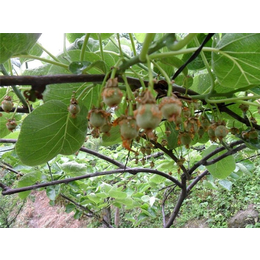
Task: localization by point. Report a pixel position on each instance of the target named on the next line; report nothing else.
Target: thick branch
(179, 202)
(8, 191)
(39, 83)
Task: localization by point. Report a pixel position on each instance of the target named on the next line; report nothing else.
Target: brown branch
(8, 191)
(222, 156)
(196, 180)
(239, 118)
(179, 202)
(86, 209)
(219, 149)
(103, 157)
(39, 83)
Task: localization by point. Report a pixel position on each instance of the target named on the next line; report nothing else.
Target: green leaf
(77, 67)
(237, 64)
(71, 37)
(210, 185)
(103, 35)
(157, 179)
(74, 168)
(222, 168)
(94, 198)
(53, 191)
(226, 184)
(117, 194)
(172, 138)
(113, 138)
(12, 44)
(50, 130)
(69, 208)
(28, 180)
(140, 37)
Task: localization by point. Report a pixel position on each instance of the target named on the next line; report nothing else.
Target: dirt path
(37, 213)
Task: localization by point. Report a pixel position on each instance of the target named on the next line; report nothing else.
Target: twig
(86, 209)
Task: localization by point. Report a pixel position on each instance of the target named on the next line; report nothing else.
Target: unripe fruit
(128, 128)
(171, 108)
(148, 116)
(97, 117)
(221, 131)
(185, 139)
(7, 104)
(111, 94)
(11, 124)
(73, 108)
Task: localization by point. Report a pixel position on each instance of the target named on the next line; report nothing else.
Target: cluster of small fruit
(7, 106)
(144, 113)
(147, 114)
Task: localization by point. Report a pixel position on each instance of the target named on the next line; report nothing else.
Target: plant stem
(148, 39)
(182, 43)
(100, 46)
(44, 60)
(51, 55)
(183, 51)
(119, 45)
(204, 59)
(83, 49)
(169, 91)
(133, 43)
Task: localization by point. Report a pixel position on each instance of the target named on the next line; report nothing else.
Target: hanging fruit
(185, 139)
(171, 108)
(192, 125)
(128, 128)
(73, 108)
(7, 104)
(221, 131)
(97, 117)
(148, 115)
(111, 94)
(11, 124)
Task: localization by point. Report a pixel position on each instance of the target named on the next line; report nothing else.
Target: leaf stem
(169, 91)
(182, 43)
(50, 54)
(100, 46)
(133, 43)
(119, 45)
(43, 59)
(204, 59)
(83, 49)
(148, 39)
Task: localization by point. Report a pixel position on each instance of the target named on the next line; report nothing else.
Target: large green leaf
(237, 64)
(16, 43)
(222, 168)
(50, 130)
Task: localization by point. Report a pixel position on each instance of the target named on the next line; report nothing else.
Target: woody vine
(177, 94)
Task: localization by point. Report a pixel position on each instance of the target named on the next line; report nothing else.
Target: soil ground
(38, 213)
